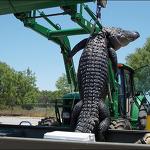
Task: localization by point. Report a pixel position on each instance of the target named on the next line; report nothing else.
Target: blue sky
(21, 47)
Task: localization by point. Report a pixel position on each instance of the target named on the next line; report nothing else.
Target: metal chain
(98, 11)
(98, 16)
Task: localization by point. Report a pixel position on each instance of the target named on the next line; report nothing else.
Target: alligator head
(118, 37)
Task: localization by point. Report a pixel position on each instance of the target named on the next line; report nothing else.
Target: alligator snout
(132, 35)
(126, 37)
(119, 38)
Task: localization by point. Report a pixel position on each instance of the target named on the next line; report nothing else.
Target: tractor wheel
(142, 116)
(48, 121)
(120, 124)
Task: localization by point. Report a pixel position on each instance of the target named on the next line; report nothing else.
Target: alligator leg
(75, 113)
(81, 45)
(113, 57)
(104, 116)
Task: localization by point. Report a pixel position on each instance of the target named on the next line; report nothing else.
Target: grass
(35, 112)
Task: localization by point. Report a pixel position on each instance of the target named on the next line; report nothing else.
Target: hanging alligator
(91, 115)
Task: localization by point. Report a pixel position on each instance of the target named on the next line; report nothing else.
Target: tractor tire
(120, 124)
(48, 121)
(143, 111)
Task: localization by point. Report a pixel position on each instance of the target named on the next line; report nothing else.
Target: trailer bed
(21, 137)
(39, 144)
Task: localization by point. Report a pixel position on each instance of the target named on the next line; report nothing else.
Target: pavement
(17, 120)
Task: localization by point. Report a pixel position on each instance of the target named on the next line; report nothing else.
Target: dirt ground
(18, 120)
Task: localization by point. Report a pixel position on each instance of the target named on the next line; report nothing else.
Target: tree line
(19, 88)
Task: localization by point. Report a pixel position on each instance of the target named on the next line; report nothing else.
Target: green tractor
(132, 105)
(128, 108)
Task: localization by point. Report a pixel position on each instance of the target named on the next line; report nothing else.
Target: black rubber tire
(120, 124)
(48, 121)
(143, 110)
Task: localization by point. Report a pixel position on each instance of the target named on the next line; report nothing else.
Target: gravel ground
(17, 120)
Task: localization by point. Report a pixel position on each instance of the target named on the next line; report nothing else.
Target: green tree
(16, 87)
(49, 96)
(7, 88)
(62, 85)
(140, 61)
(45, 96)
(27, 91)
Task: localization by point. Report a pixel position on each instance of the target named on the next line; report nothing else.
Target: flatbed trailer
(21, 137)
(43, 144)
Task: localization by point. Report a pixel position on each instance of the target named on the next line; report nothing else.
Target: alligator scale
(91, 114)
